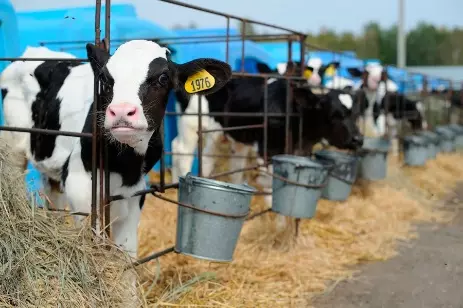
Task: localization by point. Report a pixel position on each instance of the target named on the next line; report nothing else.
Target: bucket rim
(366, 148)
(345, 156)
(415, 140)
(297, 160)
(214, 184)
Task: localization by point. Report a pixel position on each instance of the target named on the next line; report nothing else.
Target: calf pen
(293, 269)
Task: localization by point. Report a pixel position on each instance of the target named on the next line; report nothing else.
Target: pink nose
(122, 110)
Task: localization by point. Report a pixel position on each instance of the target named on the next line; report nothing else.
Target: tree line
(426, 43)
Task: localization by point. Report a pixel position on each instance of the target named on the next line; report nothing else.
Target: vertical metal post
(243, 36)
(227, 47)
(302, 57)
(265, 119)
(200, 137)
(288, 135)
(449, 99)
(461, 104)
(105, 203)
(162, 179)
(94, 213)
(401, 36)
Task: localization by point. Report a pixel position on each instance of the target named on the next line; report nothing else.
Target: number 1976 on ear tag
(199, 81)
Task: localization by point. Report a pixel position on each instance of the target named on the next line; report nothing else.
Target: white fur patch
(420, 107)
(271, 80)
(346, 100)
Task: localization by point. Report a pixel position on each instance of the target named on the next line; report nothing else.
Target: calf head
(332, 116)
(136, 81)
(371, 76)
(316, 71)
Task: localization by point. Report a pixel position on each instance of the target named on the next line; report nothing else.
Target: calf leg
(53, 194)
(208, 162)
(186, 142)
(125, 217)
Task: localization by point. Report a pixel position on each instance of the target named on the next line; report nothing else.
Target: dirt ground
(428, 273)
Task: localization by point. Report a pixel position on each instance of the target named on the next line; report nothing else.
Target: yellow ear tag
(199, 81)
(330, 71)
(307, 73)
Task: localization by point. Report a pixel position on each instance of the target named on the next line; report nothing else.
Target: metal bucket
(341, 176)
(373, 163)
(210, 236)
(415, 150)
(433, 143)
(446, 139)
(458, 130)
(297, 185)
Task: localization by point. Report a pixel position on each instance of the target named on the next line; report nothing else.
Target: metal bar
(193, 39)
(255, 215)
(95, 124)
(211, 155)
(107, 194)
(200, 137)
(243, 36)
(194, 7)
(302, 39)
(162, 164)
(227, 41)
(235, 114)
(45, 59)
(217, 175)
(288, 135)
(154, 256)
(265, 120)
(227, 129)
(45, 131)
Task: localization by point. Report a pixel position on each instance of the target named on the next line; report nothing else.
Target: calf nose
(122, 110)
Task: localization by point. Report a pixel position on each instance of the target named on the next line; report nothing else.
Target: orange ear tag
(199, 81)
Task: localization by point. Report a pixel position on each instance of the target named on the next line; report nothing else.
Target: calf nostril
(111, 113)
(132, 112)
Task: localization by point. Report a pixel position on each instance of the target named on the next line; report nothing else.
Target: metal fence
(101, 198)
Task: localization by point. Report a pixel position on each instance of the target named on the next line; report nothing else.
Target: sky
(300, 15)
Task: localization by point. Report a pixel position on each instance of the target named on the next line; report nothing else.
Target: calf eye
(163, 79)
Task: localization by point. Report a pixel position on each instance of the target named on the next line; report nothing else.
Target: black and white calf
(136, 81)
(330, 116)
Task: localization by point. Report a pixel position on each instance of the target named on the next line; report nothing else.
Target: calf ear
(203, 76)
(355, 72)
(329, 69)
(97, 57)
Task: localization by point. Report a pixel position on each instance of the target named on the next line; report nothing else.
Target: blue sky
(302, 15)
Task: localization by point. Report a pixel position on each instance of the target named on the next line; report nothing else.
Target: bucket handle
(295, 183)
(200, 210)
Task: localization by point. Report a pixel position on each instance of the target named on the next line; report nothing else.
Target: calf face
(136, 81)
(371, 75)
(334, 114)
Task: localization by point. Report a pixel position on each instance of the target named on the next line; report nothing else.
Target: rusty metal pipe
(227, 129)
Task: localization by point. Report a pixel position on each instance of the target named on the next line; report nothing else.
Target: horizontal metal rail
(45, 59)
(45, 131)
(227, 129)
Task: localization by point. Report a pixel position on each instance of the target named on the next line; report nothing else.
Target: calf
(328, 116)
(19, 87)
(136, 81)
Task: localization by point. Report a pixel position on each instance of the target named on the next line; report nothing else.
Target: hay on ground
(271, 268)
(44, 261)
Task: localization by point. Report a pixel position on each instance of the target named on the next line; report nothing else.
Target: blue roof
(279, 50)
(77, 24)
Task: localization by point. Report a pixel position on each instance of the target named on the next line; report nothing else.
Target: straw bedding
(272, 268)
(45, 262)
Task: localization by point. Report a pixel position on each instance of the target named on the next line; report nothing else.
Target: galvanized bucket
(341, 176)
(209, 229)
(373, 163)
(458, 129)
(297, 185)
(415, 150)
(433, 142)
(447, 139)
